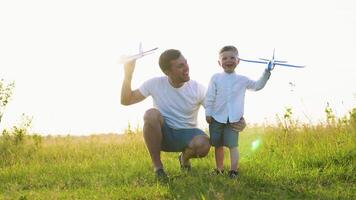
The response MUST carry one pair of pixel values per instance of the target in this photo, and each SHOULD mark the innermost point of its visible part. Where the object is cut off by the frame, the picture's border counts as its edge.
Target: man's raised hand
(129, 67)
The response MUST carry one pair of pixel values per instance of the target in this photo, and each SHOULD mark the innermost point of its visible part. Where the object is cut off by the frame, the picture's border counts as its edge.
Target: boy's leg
(234, 157)
(219, 158)
(231, 139)
(153, 136)
(216, 130)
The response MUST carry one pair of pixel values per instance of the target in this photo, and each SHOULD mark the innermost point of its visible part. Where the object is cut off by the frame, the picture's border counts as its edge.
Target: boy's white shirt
(178, 106)
(225, 98)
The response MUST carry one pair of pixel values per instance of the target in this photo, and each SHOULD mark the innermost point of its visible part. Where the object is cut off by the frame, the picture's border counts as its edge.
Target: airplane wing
(254, 61)
(125, 59)
(280, 61)
(288, 65)
(140, 50)
(149, 51)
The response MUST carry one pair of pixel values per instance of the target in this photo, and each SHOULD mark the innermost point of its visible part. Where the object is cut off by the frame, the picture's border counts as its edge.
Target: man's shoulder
(194, 83)
(155, 80)
(151, 86)
(196, 89)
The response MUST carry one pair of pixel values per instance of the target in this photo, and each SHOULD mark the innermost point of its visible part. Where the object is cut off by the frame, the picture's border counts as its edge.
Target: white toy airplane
(271, 63)
(141, 53)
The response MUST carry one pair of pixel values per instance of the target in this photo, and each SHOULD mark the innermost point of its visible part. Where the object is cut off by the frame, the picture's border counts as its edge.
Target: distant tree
(5, 95)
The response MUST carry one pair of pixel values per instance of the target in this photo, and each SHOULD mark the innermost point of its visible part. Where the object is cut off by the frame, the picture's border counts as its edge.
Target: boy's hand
(239, 126)
(269, 69)
(209, 119)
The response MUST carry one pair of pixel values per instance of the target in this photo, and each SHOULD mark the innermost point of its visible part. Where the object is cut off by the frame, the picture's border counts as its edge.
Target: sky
(63, 56)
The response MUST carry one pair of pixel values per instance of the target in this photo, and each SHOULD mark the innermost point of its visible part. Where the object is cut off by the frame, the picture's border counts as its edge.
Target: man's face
(179, 70)
(228, 60)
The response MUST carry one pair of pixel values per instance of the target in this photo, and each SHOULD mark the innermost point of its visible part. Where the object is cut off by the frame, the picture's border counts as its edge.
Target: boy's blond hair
(229, 48)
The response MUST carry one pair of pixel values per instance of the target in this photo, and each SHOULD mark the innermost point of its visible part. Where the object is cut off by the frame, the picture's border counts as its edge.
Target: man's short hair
(229, 48)
(166, 58)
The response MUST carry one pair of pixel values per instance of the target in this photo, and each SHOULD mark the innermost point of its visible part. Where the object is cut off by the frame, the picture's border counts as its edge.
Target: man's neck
(175, 84)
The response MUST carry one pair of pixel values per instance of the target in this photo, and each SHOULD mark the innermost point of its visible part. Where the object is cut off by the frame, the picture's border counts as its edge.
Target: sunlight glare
(255, 144)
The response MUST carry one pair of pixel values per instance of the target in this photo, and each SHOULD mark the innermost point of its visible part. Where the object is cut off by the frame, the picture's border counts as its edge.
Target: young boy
(225, 107)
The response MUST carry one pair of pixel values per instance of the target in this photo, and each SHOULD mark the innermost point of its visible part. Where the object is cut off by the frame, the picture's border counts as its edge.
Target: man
(171, 125)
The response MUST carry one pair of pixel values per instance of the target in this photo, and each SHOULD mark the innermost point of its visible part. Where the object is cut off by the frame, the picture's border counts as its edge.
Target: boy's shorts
(176, 140)
(223, 135)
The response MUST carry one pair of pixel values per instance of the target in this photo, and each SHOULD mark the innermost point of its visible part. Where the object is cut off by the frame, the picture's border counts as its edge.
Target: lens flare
(255, 144)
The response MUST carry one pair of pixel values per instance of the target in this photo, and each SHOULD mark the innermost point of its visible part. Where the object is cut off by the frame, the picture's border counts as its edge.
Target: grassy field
(288, 161)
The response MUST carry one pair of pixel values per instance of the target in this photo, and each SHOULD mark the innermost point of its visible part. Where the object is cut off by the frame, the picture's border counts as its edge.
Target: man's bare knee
(200, 145)
(152, 116)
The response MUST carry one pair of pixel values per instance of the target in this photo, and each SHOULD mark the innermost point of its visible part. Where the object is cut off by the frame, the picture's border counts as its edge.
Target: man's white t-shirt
(178, 106)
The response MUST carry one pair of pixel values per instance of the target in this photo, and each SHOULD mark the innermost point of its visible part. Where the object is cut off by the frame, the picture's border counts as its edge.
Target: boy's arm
(239, 126)
(209, 100)
(260, 83)
(209, 119)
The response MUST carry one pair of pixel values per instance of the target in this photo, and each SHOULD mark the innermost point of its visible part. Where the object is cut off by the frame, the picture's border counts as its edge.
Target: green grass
(305, 162)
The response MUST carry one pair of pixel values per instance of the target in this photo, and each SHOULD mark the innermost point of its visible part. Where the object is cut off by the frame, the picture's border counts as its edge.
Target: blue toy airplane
(271, 63)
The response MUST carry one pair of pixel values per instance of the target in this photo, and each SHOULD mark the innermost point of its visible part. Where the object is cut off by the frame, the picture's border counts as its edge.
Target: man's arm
(128, 96)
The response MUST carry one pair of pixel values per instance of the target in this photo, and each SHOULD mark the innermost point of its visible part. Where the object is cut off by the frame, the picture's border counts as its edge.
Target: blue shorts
(223, 135)
(177, 140)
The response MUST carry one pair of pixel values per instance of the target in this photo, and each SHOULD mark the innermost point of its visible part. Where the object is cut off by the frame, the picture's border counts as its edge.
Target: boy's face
(228, 60)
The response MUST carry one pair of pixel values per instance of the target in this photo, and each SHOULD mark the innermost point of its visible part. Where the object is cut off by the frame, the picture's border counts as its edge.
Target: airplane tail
(277, 61)
(141, 53)
(140, 50)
